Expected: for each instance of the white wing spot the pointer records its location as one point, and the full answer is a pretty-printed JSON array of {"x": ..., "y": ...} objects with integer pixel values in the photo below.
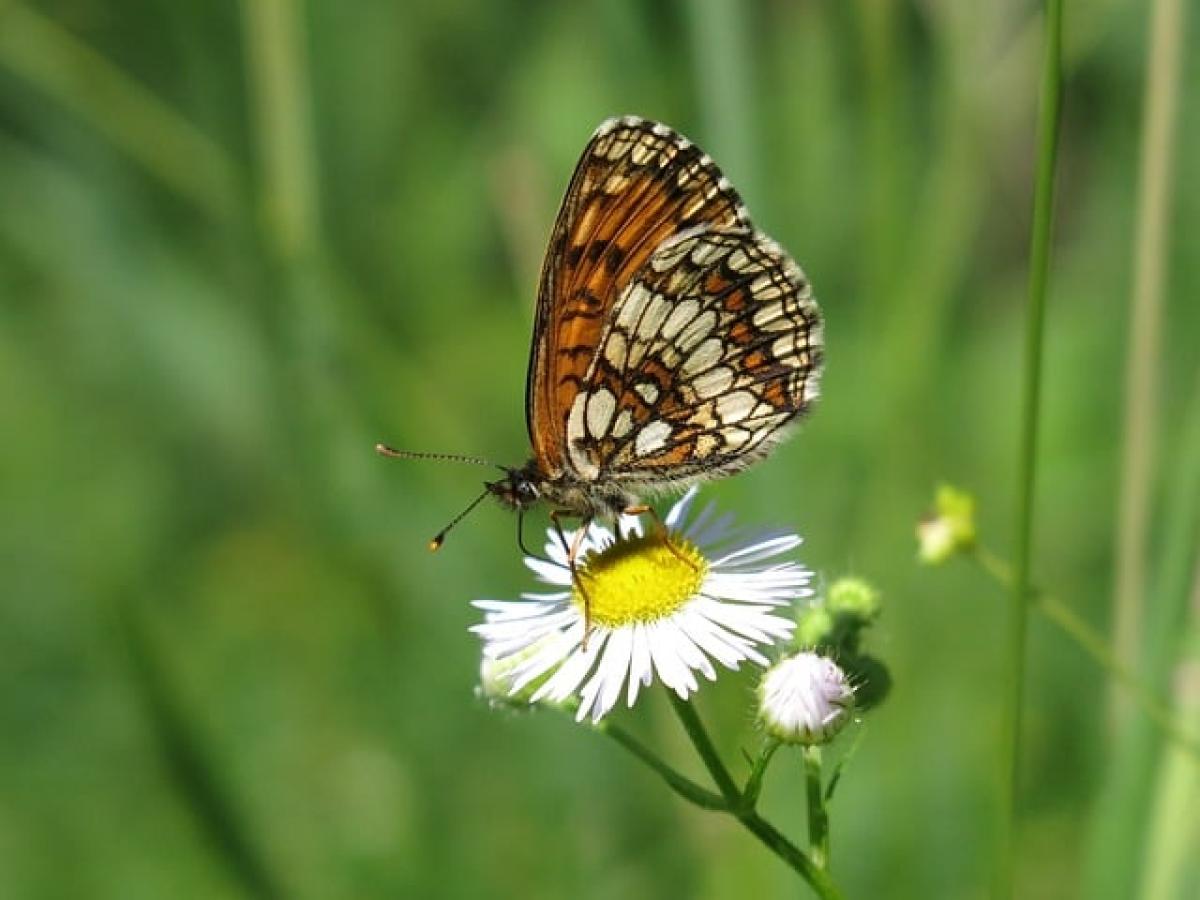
[
  {"x": 669, "y": 255},
  {"x": 647, "y": 390},
  {"x": 614, "y": 184},
  {"x": 773, "y": 317},
  {"x": 786, "y": 346},
  {"x": 615, "y": 349},
  {"x": 704, "y": 253},
  {"x": 632, "y": 305},
  {"x": 765, "y": 287},
  {"x": 700, "y": 328},
  {"x": 739, "y": 261},
  {"x": 580, "y": 459},
  {"x": 624, "y": 423},
  {"x": 651, "y": 437},
  {"x": 668, "y": 356},
  {"x": 704, "y": 357},
  {"x": 735, "y": 437},
  {"x": 655, "y": 315},
  {"x": 714, "y": 382},
  {"x": 680, "y": 316},
  {"x": 600, "y": 408},
  {"x": 734, "y": 407}
]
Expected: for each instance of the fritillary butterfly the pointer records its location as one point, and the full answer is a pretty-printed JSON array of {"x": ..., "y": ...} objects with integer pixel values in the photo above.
[{"x": 674, "y": 341}]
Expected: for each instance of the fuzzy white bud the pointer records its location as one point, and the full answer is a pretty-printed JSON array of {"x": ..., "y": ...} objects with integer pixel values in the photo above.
[{"x": 805, "y": 699}]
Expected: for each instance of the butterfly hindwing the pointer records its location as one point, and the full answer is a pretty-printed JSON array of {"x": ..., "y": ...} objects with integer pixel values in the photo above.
[
  {"x": 637, "y": 187},
  {"x": 711, "y": 349}
]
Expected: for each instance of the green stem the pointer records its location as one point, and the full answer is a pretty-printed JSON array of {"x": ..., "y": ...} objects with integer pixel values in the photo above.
[
  {"x": 708, "y": 752},
  {"x": 683, "y": 786},
  {"x": 817, "y": 878},
  {"x": 818, "y": 816},
  {"x": 1152, "y": 242},
  {"x": 722, "y": 48},
  {"x": 1039, "y": 267},
  {"x": 278, "y": 73},
  {"x": 753, "y": 787},
  {"x": 1094, "y": 644}
]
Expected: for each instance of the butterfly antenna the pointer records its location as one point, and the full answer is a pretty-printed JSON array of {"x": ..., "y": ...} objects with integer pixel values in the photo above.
[
  {"x": 392, "y": 453},
  {"x": 440, "y": 538}
]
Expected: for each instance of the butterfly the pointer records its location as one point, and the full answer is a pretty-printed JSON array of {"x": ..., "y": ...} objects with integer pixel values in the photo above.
[{"x": 673, "y": 342}]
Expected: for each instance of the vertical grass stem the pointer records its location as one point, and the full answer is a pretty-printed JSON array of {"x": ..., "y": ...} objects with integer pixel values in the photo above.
[{"x": 1039, "y": 267}]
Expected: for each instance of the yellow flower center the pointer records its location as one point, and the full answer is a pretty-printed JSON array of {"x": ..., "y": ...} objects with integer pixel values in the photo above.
[{"x": 639, "y": 579}]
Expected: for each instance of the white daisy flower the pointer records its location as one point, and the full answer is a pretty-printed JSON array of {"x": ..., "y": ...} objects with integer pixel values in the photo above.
[
  {"x": 805, "y": 699},
  {"x": 671, "y": 604}
]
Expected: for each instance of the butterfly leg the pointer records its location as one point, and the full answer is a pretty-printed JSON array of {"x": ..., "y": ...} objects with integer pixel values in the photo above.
[
  {"x": 661, "y": 527},
  {"x": 521, "y": 538},
  {"x": 572, "y": 549}
]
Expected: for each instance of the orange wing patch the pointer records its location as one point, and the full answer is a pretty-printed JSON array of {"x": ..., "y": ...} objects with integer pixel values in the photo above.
[{"x": 637, "y": 186}]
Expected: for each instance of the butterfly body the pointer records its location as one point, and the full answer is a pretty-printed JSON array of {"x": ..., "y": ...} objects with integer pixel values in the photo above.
[{"x": 528, "y": 486}]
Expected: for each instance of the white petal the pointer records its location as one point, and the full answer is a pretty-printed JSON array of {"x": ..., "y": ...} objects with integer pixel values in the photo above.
[
  {"x": 710, "y": 534},
  {"x": 671, "y": 670},
  {"x": 679, "y": 511},
  {"x": 535, "y": 606},
  {"x": 562, "y": 683},
  {"x": 602, "y": 691},
  {"x": 755, "y": 623},
  {"x": 549, "y": 572},
  {"x": 640, "y": 667},
  {"x": 501, "y": 643},
  {"x": 761, "y": 550},
  {"x": 542, "y": 661},
  {"x": 691, "y": 655},
  {"x": 728, "y": 650}
]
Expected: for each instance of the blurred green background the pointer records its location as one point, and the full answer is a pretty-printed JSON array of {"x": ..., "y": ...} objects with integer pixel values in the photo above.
[{"x": 239, "y": 243}]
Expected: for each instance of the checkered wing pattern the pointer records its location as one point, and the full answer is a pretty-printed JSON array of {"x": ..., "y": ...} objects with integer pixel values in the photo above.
[
  {"x": 713, "y": 347},
  {"x": 637, "y": 187}
]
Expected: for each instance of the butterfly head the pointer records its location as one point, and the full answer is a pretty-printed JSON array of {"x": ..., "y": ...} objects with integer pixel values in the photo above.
[{"x": 518, "y": 489}]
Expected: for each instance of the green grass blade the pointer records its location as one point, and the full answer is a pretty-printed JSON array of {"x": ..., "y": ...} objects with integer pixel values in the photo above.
[
  {"x": 1039, "y": 269},
  {"x": 169, "y": 147}
]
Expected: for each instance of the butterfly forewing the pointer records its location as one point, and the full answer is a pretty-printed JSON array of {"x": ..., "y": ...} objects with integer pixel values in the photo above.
[{"x": 638, "y": 186}]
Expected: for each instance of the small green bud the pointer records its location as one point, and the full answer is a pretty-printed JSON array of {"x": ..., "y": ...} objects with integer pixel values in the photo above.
[
  {"x": 855, "y": 598},
  {"x": 950, "y": 530},
  {"x": 814, "y": 626}
]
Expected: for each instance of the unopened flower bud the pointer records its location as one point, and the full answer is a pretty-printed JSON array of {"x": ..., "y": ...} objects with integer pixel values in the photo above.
[
  {"x": 951, "y": 528},
  {"x": 496, "y": 681},
  {"x": 815, "y": 626},
  {"x": 854, "y": 597},
  {"x": 805, "y": 699}
]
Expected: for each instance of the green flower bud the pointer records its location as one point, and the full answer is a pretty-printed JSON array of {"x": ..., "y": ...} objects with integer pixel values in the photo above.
[
  {"x": 854, "y": 597},
  {"x": 951, "y": 528}
]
